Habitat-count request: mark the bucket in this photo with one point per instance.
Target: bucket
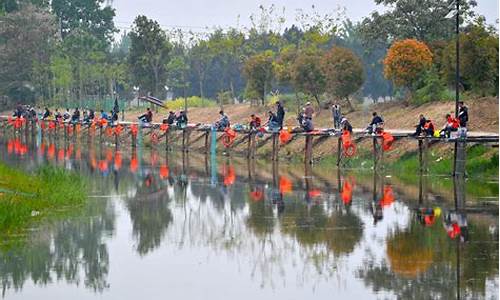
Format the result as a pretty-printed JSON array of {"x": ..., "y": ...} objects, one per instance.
[{"x": 462, "y": 132}]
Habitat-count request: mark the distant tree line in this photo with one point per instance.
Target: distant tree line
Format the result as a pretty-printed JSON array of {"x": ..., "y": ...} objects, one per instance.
[{"x": 64, "y": 50}]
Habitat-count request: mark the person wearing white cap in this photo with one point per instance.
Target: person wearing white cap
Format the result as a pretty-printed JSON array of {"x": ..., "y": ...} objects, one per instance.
[
  {"x": 309, "y": 111},
  {"x": 344, "y": 123}
]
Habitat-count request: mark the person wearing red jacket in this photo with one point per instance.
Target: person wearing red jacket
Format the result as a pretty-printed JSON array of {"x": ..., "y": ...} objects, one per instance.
[
  {"x": 452, "y": 124},
  {"x": 255, "y": 122}
]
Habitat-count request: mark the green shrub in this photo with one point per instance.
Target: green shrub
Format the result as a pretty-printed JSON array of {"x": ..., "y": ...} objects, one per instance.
[
  {"x": 224, "y": 97},
  {"x": 433, "y": 89},
  {"x": 290, "y": 101},
  {"x": 193, "y": 101}
]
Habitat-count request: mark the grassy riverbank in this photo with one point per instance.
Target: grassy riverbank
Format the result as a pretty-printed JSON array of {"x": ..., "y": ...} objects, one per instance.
[
  {"x": 26, "y": 198},
  {"x": 482, "y": 168},
  {"x": 481, "y": 162}
]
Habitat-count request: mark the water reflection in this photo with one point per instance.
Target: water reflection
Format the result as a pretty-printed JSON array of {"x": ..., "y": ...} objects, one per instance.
[
  {"x": 286, "y": 227},
  {"x": 73, "y": 251},
  {"x": 424, "y": 263},
  {"x": 151, "y": 217}
]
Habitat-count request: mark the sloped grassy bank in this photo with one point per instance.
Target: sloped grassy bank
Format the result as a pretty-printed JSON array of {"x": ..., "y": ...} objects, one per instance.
[
  {"x": 481, "y": 162},
  {"x": 31, "y": 197},
  {"x": 482, "y": 168}
]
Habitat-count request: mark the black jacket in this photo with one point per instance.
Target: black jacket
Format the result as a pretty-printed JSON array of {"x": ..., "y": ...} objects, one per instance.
[
  {"x": 280, "y": 113},
  {"x": 170, "y": 119},
  {"x": 422, "y": 122},
  {"x": 463, "y": 116},
  {"x": 377, "y": 120}
]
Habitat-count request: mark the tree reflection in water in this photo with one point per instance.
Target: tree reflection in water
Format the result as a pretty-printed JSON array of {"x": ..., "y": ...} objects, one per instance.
[
  {"x": 283, "y": 228},
  {"x": 66, "y": 250},
  {"x": 150, "y": 217},
  {"x": 424, "y": 262}
]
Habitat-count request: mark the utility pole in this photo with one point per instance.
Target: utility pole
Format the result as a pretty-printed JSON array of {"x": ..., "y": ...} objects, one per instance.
[
  {"x": 457, "y": 67},
  {"x": 457, "y": 85}
]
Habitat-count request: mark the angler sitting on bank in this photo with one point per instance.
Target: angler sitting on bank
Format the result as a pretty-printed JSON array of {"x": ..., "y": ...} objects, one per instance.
[
  {"x": 170, "y": 118},
  {"x": 57, "y": 115},
  {"x": 18, "y": 112},
  {"x": 420, "y": 126},
  {"x": 66, "y": 115},
  {"x": 32, "y": 115},
  {"x": 104, "y": 115},
  {"x": 75, "y": 118},
  {"x": 308, "y": 110},
  {"x": 181, "y": 120},
  {"x": 46, "y": 114},
  {"x": 424, "y": 127},
  {"x": 273, "y": 122},
  {"x": 345, "y": 125},
  {"x": 307, "y": 124},
  {"x": 305, "y": 121},
  {"x": 429, "y": 128},
  {"x": 452, "y": 124},
  {"x": 89, "y": 117},
  {"x": 223, "y": 121},
  {"x": 376, "y": 125},
  {"x": 255, "y": 122},
  {"x": 146, "y": 118}
]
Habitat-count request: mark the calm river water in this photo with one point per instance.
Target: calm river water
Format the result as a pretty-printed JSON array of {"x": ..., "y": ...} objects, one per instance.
[{"x": 178, "y": 226}]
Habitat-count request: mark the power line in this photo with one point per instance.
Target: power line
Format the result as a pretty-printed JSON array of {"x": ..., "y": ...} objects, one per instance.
[
  {"x": 129, "y": 28},
  {"x": 128, "y": 24}
]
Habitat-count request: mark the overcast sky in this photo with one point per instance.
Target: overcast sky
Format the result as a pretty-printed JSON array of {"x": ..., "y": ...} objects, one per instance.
[{"x": 197, "y": 14}]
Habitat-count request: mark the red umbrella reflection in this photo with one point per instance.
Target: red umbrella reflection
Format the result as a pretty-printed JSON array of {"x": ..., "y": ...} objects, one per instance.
[
  {"x": 78, "y": 154},
  {"x": 229, "y": 176},
  {"x": 10, "y": 146},
  {"x": 346, "y": 192},
  {"x": 109, "y": 155},
  {"x": 60, "y": 154},
  {"x": 164, "y": 171},
  {"x": 314, "y": 193},
  {"x": 286, "y": 185},
  {"x": 388, "y": 197},
  {"x": 134, "y": 164},
  {"x": 51, "y": 151},
  {"x": 41, "y": 150},
  {"x": 118, "y": 161},
  {"x": 103, "y": 165},
  {"x": 257, "y": 194}
]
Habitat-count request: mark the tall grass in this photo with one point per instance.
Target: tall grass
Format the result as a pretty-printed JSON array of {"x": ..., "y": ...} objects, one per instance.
[{"x": 29, "y": 197}]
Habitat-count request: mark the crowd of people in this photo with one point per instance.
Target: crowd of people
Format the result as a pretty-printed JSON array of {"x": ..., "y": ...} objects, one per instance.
[
  {"x": 426, "y": 127},
  {"x": 74, "y": 116},
  {"x": 179, "y": 119},
  {"x": 274, "y": 123}
]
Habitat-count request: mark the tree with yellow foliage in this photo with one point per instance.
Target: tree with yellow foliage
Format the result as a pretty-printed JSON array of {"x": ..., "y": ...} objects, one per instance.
[{"x": 406, "y": 61}]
